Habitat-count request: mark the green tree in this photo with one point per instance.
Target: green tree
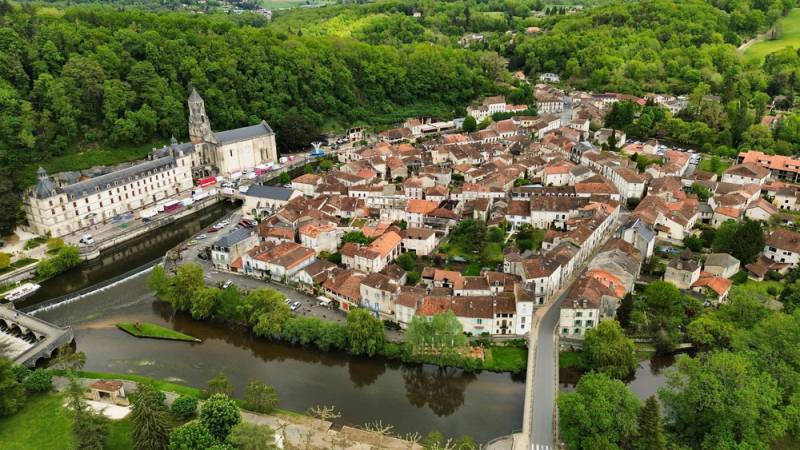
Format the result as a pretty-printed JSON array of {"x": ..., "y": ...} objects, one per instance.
[
  {"x": 365, "y": 333},
  {"x": 191, "y": 436},
  {"x": 355, "y": 236},
  {"x": 160, "y": 283},
  {"x": 12, "y": 392},
  {"x": 722, "y": 400},
  {"x": 219, "y": 414},
  {"x": 283, "y": 178},
  {"x": 149, "y": 419},
  {"x": 441, "y": 332},
  {"x": 89, "y": 429},
  {"x": 39, "y": 380},
  {"x": 702, "y": 192},
  {"x": 708, "y": 332},
  {"x": 249, "y": 436},
  {"x": 607, "y": 350},
  {"x": 651, "y": 431},
  {"x": 406, "y": 261},
  {"x": 600, "y": 413},
  {"x": 260, "y": 397},
  {"x": 5, "y": 260},
  {"x": 470, "y": 124},
  {"x": 188, "y": 280},
  {"x": 220, "y": 384},
  {"x": 748, "y": 242},
  {"x": 308, "y": 169},
  {"x": 693, "y": 243},
  {"x": 624, "y": 311}
]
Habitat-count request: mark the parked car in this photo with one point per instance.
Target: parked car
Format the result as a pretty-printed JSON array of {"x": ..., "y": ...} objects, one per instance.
[
  {"x": 87, "y": 239},
  {"x": 295, "y": 306},
  {"x": 227, "y": 284},
  {"x": 201, "y": 236}
]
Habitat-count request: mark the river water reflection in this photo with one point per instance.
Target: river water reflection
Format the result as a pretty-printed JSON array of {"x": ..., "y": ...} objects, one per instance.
[{"x": 410, "y": 397}]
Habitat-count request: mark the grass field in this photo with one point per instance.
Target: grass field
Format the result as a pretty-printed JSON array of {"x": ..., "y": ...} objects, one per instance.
[
  {"x": 506, "y": 359},
  {"x": 568, "y": 360},
  {"x": 790, "y": 36},
  {"x": 705, "y": 165},
  {"x": 152, "y": 331},
  {"x": 86, "y": 158},
  {"x": 44, "y": 423}
]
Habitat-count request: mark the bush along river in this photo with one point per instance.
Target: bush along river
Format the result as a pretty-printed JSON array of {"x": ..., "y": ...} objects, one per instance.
[{"x": 411, "y": 397}]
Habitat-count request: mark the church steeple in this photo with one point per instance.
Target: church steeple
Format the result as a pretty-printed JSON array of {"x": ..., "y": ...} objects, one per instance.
[{"x": 199, "y": 127}]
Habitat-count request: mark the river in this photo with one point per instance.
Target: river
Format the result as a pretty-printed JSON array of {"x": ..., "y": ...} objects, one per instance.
[{"x": 412, "y": 398}]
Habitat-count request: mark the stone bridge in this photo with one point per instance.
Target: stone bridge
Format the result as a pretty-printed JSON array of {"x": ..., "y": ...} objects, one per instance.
[{"x": 26, "y": 339}]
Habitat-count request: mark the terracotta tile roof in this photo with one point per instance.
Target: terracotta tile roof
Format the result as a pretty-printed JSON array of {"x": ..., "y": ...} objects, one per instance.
[
  {"x": 717, "y": 284},
  {"x": 106, "y": 385},
  {"x": 749, "y": 170},
  {"x": 314, "y": 229},
  {"x": 385, "y": 243},
  {"x": 308, "y": 178},
  {"x": 418, "y": 206}
]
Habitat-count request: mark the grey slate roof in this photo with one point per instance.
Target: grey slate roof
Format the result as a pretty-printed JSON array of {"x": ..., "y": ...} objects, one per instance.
[
  {"x": 270, "y": 192},
  {"x": 45, "y": 187},
  {"x": 644, "y": 231},
  {"x": 721, "y": 259},
  {"x": 232, "y": 238},
  {"x": 87, "y": 187},
  {"x": 243, "y": 134}
]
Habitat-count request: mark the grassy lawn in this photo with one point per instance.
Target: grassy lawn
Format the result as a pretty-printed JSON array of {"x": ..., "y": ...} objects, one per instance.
[
  {"x": 790, "y": 36},
  {"x": 44, "y": 423},
  {"x": 86, "y": 158},
  {"x": 760, "y": 287},
  {"x": 506, "y": 359},
  {"x": 705, "y": 165},
  {"x": 568, "y": 360},
  {"x": 149, "y": 330}
]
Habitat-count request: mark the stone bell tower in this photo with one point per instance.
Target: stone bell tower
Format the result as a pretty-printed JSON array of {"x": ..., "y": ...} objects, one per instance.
[{"x": 199, "y": 127}]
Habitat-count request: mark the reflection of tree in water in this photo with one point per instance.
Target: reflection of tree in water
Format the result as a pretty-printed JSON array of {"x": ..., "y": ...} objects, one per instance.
[
  {"x": 659, "y": 363},
  {"x": 440, "y": 388},
  {"x": 364, "y": 372}
]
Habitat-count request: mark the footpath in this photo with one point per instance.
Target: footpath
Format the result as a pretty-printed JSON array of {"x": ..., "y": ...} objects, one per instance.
[{"x": 298, "y": 431}]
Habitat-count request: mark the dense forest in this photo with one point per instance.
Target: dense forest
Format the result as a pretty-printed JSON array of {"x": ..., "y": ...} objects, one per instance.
[
  {"x": 114, "y": 77},
  {"x": 91, "y": 75}
]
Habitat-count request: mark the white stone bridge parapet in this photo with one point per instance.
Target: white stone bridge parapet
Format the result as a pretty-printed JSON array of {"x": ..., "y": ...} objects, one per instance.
[{"x": 43, "y": 338}]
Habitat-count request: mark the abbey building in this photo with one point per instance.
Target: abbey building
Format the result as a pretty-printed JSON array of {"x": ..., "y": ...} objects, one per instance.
[{"x": 73, "y": 202}]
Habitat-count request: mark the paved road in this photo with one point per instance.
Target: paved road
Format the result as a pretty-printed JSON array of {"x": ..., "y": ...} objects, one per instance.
[
  {"x": 309, "y": 305},
  {"x": 545, "y": 376}
]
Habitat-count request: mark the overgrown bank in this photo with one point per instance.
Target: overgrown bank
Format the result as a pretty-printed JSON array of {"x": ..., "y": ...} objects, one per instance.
[{"x": 266, "y": 314}]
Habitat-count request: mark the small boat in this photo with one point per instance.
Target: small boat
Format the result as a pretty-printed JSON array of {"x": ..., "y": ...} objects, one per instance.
[{"x": 22, "y": 291}]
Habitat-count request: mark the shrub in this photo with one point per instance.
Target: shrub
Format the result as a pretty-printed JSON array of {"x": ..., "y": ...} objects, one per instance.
[
  {"x": 260, "y": 397},
  {"x": 772, "y": 290},
  {"x": 39, "y": 380},
  {"x": 184, "y": 407},
  {"x": 773, "y": 275},
  {"x": 20, "y": 372},
  {"x": 219, "y": 414},
  {"x": 739, "y": 278}
]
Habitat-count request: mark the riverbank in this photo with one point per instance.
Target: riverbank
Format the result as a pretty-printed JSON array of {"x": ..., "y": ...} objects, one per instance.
[
  {"x": 298, "y": 430},
  {"x": 411, "y": 397}
]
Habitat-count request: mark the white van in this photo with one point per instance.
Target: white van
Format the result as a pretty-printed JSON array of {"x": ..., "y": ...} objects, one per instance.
[{"x": 87, "y": 239}]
